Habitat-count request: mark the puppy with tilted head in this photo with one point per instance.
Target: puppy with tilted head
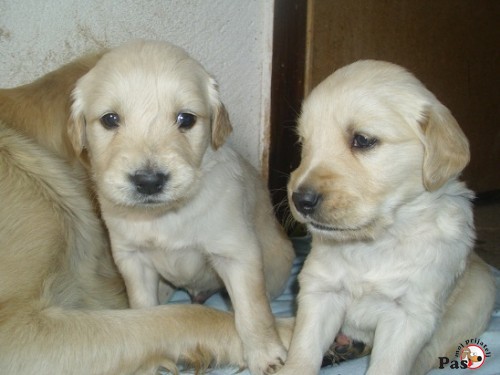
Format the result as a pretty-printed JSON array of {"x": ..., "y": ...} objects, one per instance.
[
  {"x": 391, "y": 224},
  {"x": 183, "y": 209}
]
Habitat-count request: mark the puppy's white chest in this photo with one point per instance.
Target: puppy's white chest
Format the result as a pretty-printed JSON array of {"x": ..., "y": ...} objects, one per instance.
[
  {"x": 162, "y": 234},
  {"x": 163, "y": 244}
]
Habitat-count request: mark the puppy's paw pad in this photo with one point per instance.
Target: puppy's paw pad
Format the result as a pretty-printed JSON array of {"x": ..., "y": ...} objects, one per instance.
[
  {"x": 274, "y": 367},
  {"x": 343, "y": 349}
]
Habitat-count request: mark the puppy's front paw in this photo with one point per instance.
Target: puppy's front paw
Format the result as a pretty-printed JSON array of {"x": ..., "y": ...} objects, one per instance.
[{"x": 266, "y": 360}]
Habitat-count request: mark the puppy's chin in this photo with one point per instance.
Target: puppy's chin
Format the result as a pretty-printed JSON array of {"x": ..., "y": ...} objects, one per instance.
[
  {"x": 365, "y": 231},
  {"x": 155, "y": 203},
  {"x": 137, "y": 203},
  {"x": 130, "y": 200},
  {"x": 340, "y": 234}
]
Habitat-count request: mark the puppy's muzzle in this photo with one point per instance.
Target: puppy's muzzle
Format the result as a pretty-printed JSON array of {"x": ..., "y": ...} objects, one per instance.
[
  {"x": 306, "y": 201},
  {"x": 149, "y": 182}
]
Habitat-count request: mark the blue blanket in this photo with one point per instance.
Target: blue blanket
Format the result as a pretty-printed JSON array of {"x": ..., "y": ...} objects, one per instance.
[{"x": 284, "y": 306}]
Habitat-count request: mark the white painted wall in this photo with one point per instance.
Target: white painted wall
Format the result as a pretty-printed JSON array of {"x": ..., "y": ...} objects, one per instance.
[{"x": 231, "y": 38}]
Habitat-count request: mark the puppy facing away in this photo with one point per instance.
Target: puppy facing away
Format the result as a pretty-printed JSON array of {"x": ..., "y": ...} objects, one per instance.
[
  {"x": 392, "y": 226},
  {"x": 183, "y": 210}
]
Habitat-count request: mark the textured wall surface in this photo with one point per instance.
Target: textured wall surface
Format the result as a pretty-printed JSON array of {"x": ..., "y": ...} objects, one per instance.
[{"x": 231, "y": 38}]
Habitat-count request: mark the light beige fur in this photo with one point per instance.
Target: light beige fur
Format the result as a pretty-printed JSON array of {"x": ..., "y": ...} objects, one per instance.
[
  {"x": 40, "y": 110},
  {"x": 58, "y": 283},
  {"x": 392, "y": 226},
  {"x": 63, "y": 306},
  {"x": 206, "y": 220}
]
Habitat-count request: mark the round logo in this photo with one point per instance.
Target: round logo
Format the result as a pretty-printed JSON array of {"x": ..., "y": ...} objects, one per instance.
[{"x": 474, "y": 355}]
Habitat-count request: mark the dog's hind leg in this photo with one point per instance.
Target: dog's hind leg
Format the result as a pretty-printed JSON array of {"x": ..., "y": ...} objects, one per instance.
[
  {"x": 51, "y": 340},
  {"x": 467, "y": 314}
]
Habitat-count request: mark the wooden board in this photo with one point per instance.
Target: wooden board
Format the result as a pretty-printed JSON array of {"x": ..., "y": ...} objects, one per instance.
[{"x": 453, "y": 46}]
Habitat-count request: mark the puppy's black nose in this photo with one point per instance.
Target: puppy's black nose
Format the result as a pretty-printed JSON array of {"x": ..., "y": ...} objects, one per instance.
[
  {"x": 306, "y": 201},
  {"x": 149, "y": 182}
]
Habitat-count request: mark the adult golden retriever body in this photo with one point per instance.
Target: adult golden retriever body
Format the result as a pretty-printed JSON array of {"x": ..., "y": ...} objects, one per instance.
[
  {"x": 63, "y": 307},
  {"x": 183, "y": 209},
  {"x": 40, "y": 110},
  {"x": 392, "y": 226}
]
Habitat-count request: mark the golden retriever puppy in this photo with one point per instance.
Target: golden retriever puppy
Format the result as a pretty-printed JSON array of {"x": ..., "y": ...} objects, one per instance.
[
  {"x": 183, "y": 210},
  {"x": 63, "y": 306},
  {"x": 63, "y": 309},
  {"x": 392, "y": 226}
]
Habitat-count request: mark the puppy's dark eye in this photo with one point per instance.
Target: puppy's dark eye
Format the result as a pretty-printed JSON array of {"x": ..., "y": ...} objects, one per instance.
[
  {"x": 361, "y": 141},
  {"x": 185, "y": 120},
  {"x": 110, "y": 121}
]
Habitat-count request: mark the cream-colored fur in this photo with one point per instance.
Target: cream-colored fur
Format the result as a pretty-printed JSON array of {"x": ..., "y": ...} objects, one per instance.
[
  {"x": 58, "y": 284},
  {"x": 63, "y": 306},
  {"x": 391, "y": 262},
  {"x": 206, "y": 220},
  {"x": 40, "y": 109}
]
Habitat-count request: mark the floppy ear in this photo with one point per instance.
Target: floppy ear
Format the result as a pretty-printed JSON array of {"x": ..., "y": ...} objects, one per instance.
[
  {"x": 446, "y": 147},
  {"x": 76, "y": 124},
  {"x": 221, "y": 125}
]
